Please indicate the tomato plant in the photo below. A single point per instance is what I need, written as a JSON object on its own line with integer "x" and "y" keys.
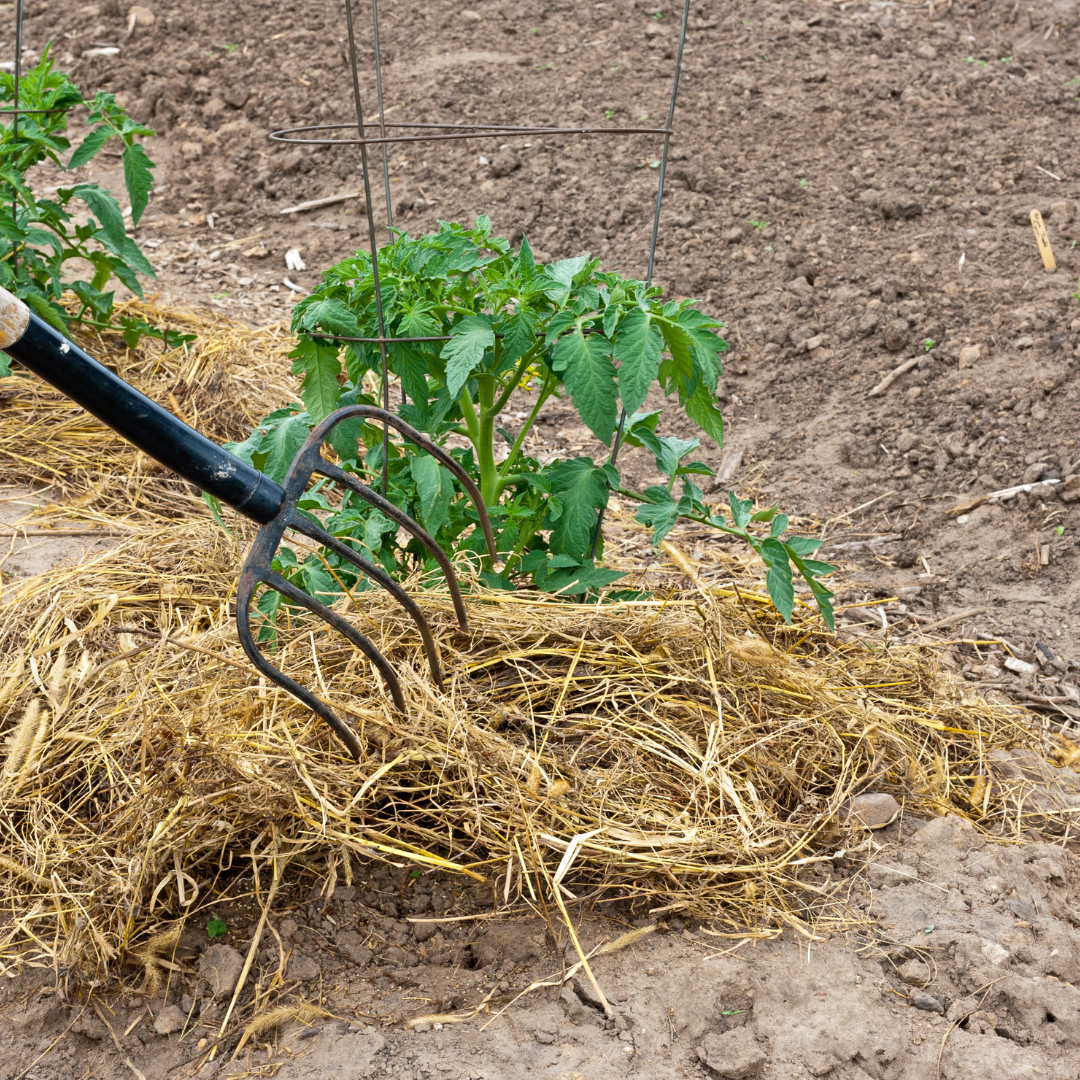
{"x": 487, "y": 322}
{"x": 40, "y": 233}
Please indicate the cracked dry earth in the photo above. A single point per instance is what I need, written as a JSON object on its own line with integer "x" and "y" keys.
{"x": 849, "y": 183}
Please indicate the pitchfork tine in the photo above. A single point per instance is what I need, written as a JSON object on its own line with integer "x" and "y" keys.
{"x": 378, "y": 574}
{"x": 426, "y": 444}
{"x": 407, "y": 523}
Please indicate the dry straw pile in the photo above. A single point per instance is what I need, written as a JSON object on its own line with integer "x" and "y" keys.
{"x": 688, "y": 751}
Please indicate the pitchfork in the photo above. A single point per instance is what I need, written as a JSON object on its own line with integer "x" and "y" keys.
{"x": 46, "y": 352}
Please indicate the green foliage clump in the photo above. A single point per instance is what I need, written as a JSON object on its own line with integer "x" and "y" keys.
{"x": 497, "y": 322}
{"x": 40, "y": 234}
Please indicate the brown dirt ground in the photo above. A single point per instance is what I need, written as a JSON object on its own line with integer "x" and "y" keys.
{"x": 848, "y": 182}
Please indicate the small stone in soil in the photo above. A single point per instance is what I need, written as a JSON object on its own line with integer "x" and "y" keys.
{"x": 170, "y": 1019}
{"x": 735, "y": 1055}
{"x": 927, "y": 1002}
{"x": 915, "y": 973}
{"x": 874, "y": 810}
{"x": 220, "y": 966}
{"x": 303, "y": 968}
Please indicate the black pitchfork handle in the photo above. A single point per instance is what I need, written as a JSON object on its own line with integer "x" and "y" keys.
{"x": 27, "y": 338}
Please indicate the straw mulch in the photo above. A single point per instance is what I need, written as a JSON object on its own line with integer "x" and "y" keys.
{"x": 686, "y": 752}
{"x": 223, "y": 383}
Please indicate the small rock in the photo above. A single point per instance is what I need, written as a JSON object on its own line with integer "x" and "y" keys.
{"x": 424, "y": 930}
{"x": 208, "y": 1070}
{"x": 504, "y": 163}
{"x": 191, "y": 151}
{"x": 214, "y": 107}
{"x": 303, "y": 968}
{"x": 170, "y": 1019}
{"x": 260, "y": 252}
{"x": 237, "y": 95}
{"x": 220, "y": 966}
{"x": 1024, "y": 342}
{"x": 1021, "y": 667}
{"x": 995, "y": 953}
{"x": 873, "y": 810}
{"x": 734, "y": 235}
{"x": 915, "y": 973}
{"x": 899, "y": 206}
{"x": 352, "y": 945}
{"x": 969, "y": 355}
{"x": 735, "y": 1055}
{"x": 471, "y": 16}
{"x": 926, "y": 51}
{"x": 1069, "y": 491}
{"x": 186, "y": 1003}
{"x": 820, "y": 1064}
{"x": 896, "y": 335}
{"x": 746, "y": 83}
{"x": 1034, "y": 473}
{"x": 976, "y": 871}
{"x": 927, "y": 1002}
{"x": 816, "y": 342}
{"x": 143, "y": 16}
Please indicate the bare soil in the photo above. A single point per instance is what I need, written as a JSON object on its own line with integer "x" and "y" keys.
{"x": 850, "y": 188}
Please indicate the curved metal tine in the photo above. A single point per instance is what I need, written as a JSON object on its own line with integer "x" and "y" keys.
{"x": 290, "y": 686}
{"x": 297, "y": 595}
{"x": 301, "y": 524}
{"x": 433, "y": 448}
{"x": 407, "y": 523}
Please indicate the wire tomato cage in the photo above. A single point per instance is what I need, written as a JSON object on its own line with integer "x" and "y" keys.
{"x": 383, "y": 134}
{"x": 277, "y": 508}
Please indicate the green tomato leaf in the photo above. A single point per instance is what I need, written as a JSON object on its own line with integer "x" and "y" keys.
{"x": 137, "y": 178}
{"x": 282, "y": 443}
{"x": 589, "y": 376}
{"x": 701, "y": 408}
{"x": 802, "y": 545}
{"x": 638, "y": 348}
{"x": 779, "y": 524}
{"x": 90, "y": 146}
{"x": 573, "y": 581}
{"x": 519, "y": 333}
{"x": 329, "y": 314}
{"x": 582, "y": 490}
{"x": 778, "y": 579}
{"x": 740, "y": 510}
{"x": 526, "y": 264}
{"x": 107, "y": 210}
{"x": 810, "y": 571}
{"x": 434, "y": 490}
{"x": 320, "y": 365}
{"x": 660, "y": 514}
{"x": 469, "y": 339}
{"x": 376, "y": 525}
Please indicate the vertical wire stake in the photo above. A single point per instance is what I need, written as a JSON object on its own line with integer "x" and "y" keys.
{"x": 15, "y": 133}
{"x": 372, "y": 242}
{"x": 652, "y": 245}
{"x": 385, "y": 156}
